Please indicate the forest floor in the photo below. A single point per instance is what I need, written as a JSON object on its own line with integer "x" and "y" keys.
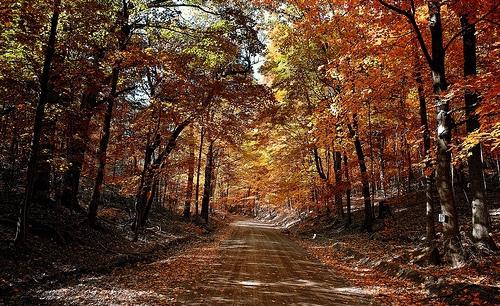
{"x": 249, "y": 264}
{"x": 318, "y": 260}
{"x": 389, "y": 262}
{"x": 60, "y": 252}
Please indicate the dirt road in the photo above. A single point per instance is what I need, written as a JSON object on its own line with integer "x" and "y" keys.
{"x": 261, "y": 266}
{"x": 252, "y": 264}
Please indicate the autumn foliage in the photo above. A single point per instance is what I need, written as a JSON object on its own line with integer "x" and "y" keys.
{"x": 159, "y": 105}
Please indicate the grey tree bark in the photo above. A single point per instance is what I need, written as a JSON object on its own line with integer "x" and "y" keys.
{"x": 430, "y": 212}
{"x": 480, "y": 214}
{"x": 436, "y": 62}
{"x": 444, "y": 125}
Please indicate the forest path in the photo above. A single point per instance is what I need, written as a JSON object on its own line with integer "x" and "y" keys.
{"x": 259, "y": 265}
{"x": 248, "y": 263}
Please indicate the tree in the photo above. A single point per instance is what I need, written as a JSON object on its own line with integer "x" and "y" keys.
{"x": 353, "y": 131}
{"x": 207, "y": 187}
{"x": 351, "y": 59}
{"x": 480, "y": 214}
{"x": 348, "y": 189}
{"x": 338, "y": 182}
{"x": 38, "y": 121}
{"x": 189, "y": 187}
{"x": 436, "y": 62}
{"x": 426, "y": 152}
{"x": 123, "y": 37}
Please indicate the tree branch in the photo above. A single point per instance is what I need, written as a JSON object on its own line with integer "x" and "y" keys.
{"x": 396, "y": 9}
{"x": 413, "y": 22}
{"x": 168, "y": 4}
{"x": 319, "y": 164}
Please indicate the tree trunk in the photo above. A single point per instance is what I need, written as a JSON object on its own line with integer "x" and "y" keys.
{"x": 12, "y": 178}
{"x": 410, "y": 172}
{"x": 189, "y": 188}
{"x": 226, "y": 200}
{"x": 215, "y": 176}
{"x": 143, "y": 196}
{"x": 480, "y": 214}
{"x": 444, "y": 124}
{"x": 145, "y": 186}
{"x": 147, "y": 182}
{"x": 205, "y": 203}
{"x": 102, "y": 153}
{"x": 78, "y": 134}
{"x": 42, "y": 183}
{"x": 198, "y": 170}
{"x": 397, "y": 154}
{"x": 108, "y": 115}
{"x": 338, "y": 182}
{"x": 37, "y": 125}
{"x": 77, "y": 146}
{"x": 149, "y": 202}
{"x": 372, "y": 172}
{"x": 428, "y": 179}
{"x": 326, "y": 191}
{"x": 151, "y": 172}
{"x": 165, "y": 191}
{"x": 436, "y": 63}
{"x": 348, "y": 191}
{"x": 405, "y": 147}
{"x": 353, "y": 130}
{"x": 382, "y": 166}
{"x": 319, "y": 165}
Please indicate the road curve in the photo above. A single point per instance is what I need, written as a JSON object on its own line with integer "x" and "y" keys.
{"x": 261, "y": 266}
